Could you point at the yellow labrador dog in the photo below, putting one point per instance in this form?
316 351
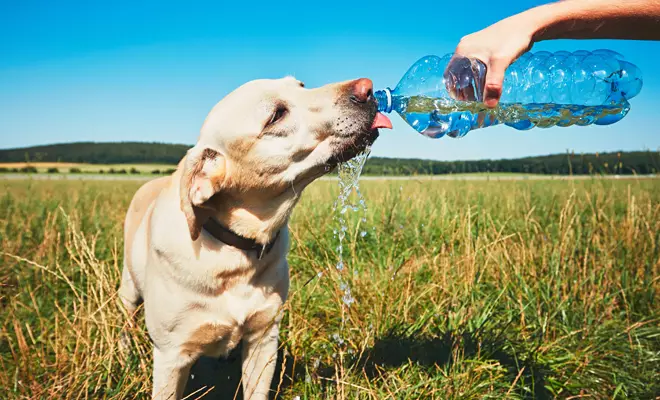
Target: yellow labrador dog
205 248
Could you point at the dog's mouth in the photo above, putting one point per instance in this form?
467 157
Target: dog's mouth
352 147
381 121
358 142
347 148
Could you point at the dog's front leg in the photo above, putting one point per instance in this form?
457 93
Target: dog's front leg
259 358
171 370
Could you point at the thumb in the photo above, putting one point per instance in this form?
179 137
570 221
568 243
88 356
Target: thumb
494 79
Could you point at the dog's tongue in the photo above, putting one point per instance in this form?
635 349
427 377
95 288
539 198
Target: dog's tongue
381 121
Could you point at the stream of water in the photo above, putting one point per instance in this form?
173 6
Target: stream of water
349 184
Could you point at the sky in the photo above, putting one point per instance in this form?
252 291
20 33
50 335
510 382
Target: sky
151 70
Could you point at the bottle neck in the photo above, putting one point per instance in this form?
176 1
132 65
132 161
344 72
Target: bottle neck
384 99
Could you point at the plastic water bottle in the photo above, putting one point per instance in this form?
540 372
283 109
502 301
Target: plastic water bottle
540 90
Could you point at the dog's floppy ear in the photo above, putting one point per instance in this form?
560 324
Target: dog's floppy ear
202 176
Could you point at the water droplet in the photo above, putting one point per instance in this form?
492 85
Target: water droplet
348 299
363 233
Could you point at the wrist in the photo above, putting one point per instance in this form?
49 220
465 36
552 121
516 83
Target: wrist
530 24
542 21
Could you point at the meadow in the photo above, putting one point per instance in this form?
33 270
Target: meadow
464 290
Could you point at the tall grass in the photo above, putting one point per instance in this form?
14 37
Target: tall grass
463 290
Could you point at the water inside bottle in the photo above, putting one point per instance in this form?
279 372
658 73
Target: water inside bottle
436 117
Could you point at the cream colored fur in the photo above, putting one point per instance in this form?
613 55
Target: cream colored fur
258 149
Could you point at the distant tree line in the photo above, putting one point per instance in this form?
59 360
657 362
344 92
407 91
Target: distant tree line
30 169
624 163
99 153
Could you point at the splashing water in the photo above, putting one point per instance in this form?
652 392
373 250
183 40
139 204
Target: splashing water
349 175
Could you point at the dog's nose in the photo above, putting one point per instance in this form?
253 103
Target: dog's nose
363 90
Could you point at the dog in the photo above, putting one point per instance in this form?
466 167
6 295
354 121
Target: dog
205 248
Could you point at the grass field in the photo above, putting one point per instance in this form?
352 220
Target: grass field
464 290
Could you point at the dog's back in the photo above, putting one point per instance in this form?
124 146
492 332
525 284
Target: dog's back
137 211
142 199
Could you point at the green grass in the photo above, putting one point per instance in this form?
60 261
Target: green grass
464 290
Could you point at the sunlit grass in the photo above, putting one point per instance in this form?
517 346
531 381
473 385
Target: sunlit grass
463 290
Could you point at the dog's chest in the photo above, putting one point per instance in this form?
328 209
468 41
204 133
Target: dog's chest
219 325
212 339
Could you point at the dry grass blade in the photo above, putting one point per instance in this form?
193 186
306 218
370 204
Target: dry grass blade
522 290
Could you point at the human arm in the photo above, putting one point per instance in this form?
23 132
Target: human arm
498 45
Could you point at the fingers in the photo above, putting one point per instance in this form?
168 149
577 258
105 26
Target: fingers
450 80
494 80
459 79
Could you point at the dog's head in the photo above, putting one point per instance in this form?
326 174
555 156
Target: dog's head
272 137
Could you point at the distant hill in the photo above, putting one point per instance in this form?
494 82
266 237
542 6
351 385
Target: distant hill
636 162
623 163
98 153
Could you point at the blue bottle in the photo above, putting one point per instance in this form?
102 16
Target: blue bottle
540 90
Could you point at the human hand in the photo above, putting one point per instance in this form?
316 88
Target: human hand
503 42
496 47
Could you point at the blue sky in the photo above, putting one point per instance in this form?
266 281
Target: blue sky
151 70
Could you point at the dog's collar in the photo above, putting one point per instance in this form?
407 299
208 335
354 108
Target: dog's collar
226 236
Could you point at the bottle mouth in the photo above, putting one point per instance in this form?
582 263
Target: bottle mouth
384 99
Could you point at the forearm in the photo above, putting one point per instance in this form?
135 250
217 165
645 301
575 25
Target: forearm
498 45
593 19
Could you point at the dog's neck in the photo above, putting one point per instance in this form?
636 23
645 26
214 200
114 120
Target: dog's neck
254 219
